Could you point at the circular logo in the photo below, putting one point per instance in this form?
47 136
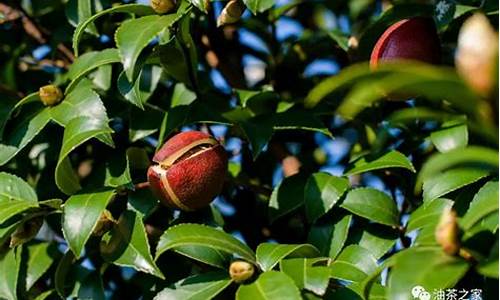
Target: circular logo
416 291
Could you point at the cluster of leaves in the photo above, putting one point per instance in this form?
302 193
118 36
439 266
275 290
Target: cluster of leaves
74 222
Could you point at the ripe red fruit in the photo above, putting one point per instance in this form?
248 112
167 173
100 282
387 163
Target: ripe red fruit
189 171
413 39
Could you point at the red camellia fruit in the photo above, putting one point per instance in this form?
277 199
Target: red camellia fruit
189 171
412 39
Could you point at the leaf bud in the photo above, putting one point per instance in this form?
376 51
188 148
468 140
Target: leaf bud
231 13
162 6
50 95
241 271
447 232
477 54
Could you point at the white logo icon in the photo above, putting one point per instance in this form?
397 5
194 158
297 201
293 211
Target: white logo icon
418 292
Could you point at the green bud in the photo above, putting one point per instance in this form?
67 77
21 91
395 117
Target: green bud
162 6
241 271
50 95
447 232
231 13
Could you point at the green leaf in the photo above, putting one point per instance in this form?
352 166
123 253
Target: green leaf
173 61
321 193
40 257
62 278
137 9
406 116
198 287
257 130
88 62
44 295
81 102
118 171
450 181
354 263
314 279
372 204
488 224
27 230
354 292
340 38
418 266
377 239
7 109
427 235
434 88
391 159
451 136
184 36
428 213
139 91
135 34
287 196
22 134
270 285
299 119
80 216
16 196
101 77
258 6
78 11
489 266
14 188
92 287
269 254
345 78
280 10
10 263
78 131
330 237
484 203
181 236
142 201
128 245
182 95
145 122
9 106
408 78
472 155
7 228
200 4
259 102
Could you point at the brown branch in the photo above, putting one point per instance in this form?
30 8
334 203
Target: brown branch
223 52
259 189
31 28
8 91
141 185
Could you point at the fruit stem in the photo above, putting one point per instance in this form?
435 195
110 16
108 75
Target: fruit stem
141 185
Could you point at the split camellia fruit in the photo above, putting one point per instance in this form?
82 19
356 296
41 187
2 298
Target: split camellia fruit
189 171
412 39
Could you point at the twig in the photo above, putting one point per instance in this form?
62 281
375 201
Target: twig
32 28
141 185
7 90
254 188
